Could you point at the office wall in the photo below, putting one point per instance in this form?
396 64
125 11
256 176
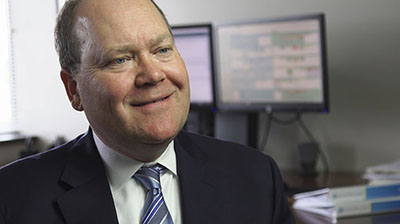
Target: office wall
363 126
363 54
42 105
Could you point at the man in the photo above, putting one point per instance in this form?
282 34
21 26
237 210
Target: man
121 67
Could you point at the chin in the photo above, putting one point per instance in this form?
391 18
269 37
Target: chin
161 135
164 137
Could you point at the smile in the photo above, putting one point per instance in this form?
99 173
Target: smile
154 101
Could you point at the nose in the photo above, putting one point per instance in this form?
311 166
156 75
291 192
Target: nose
149 72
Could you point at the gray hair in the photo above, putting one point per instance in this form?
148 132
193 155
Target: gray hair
68 43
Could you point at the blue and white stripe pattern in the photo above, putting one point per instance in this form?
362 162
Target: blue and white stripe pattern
157 211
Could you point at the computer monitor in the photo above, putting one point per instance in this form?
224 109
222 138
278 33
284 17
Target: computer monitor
194 43
272 65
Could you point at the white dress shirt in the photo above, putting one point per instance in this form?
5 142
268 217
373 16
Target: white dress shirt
128 194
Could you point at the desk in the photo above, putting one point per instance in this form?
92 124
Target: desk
334 179
298 183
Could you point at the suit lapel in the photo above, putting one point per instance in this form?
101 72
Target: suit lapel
200 199
88 198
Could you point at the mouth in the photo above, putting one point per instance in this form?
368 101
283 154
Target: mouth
151 102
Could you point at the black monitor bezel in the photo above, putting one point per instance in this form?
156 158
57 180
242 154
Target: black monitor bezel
209 106
277 107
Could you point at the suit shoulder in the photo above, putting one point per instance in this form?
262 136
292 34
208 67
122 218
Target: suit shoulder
220 148
45 163
207 140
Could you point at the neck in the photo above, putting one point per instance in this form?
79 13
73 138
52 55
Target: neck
144 152
139 151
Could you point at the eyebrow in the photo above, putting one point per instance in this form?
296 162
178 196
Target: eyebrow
128 48
122 49
161 39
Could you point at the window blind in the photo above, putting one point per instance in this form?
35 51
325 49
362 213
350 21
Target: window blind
7 99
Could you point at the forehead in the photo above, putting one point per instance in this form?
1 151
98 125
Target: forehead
119 19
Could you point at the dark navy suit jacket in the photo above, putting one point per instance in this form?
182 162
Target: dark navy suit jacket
220 182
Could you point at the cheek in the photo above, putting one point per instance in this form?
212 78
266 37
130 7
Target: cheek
104 91
118 89
184 76
179 75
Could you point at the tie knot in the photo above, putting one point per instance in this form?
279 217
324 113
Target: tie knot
149 177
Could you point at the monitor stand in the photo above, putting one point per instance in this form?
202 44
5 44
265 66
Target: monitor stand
237 127
200 122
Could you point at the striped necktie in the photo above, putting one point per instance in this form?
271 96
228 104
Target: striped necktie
156 210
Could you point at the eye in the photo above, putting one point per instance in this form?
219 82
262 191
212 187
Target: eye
164 50
120 61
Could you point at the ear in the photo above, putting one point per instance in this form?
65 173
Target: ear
71 88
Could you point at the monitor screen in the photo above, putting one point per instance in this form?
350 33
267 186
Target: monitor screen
272 65
194 43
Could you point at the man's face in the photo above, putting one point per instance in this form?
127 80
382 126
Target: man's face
133 85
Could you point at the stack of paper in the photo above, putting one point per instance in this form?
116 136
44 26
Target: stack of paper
340 202
383 174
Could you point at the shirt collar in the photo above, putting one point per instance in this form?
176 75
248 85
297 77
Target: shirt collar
121 168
